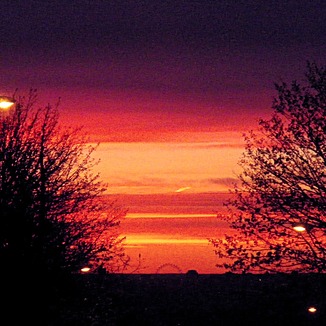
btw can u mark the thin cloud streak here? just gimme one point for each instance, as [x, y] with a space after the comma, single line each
[163, 167]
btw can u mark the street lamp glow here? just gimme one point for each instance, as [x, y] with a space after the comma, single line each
[312, 310]
[6, 102]
[299, 228]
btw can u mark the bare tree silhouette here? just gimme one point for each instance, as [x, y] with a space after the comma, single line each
[283, 185]
[53, 219]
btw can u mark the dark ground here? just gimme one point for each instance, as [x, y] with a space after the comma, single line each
[192, 300]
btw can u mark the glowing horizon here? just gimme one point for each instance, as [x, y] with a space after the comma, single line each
[158, 168]
[162, 215]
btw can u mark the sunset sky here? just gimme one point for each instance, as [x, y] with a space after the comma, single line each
[166, 87]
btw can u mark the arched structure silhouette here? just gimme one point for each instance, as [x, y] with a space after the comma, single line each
[169, 269]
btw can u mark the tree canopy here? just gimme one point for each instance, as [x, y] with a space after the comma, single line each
[53, 218]
[278, 212]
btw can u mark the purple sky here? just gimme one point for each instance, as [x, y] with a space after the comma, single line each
[207, 62]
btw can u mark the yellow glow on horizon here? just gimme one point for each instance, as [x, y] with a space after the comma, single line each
[159, 240]
[85, 269]
[160, 215]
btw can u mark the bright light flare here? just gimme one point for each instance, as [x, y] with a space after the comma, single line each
[6, 102]
[85, 269]
[312, 310]
[299, 228]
